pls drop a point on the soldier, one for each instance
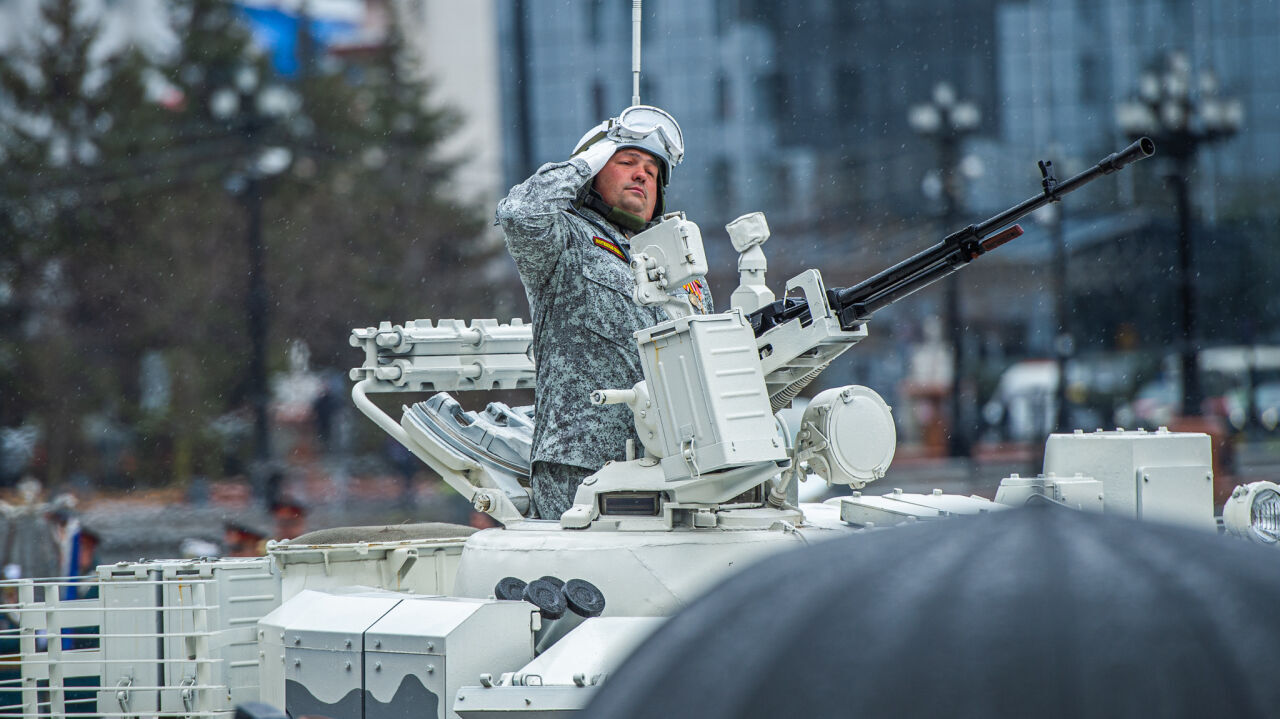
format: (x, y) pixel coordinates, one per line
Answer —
(290, 518)
(568, 227)
(242, 540)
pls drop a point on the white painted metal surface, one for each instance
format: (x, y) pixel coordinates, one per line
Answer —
(1159, 476)
(416, 566)
(748, 233)
(323, 643)
(443, 644)
(174, 637)
(562, 679)
(847, 436)
(900, 507)
(705, 384)
(641, 573)
(664, 258)
(1083, 493)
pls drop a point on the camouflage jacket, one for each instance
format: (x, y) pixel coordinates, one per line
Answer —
(575, 268)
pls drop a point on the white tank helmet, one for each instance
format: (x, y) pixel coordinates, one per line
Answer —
(647, 128)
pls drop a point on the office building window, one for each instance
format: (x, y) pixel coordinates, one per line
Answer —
(781, 192)
(773, 91)
(848, 88)
(595, 24)
(1092, 78)
(648, 91)
(597, 99)
(726, 12)
(724, 105)
(722, 186)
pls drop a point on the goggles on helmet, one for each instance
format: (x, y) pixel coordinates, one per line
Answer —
(645, 127)
(642, 121)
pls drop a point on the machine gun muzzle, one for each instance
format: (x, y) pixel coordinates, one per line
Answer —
(1141, 149)
(853, 305)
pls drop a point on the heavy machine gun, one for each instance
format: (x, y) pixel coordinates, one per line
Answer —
(854, 305)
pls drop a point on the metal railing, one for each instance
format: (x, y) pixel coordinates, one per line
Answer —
(168, 638)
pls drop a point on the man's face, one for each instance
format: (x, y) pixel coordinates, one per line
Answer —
(629, 181)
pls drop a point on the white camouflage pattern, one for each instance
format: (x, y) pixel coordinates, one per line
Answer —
(583, 317)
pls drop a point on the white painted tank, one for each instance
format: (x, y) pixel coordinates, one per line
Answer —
(641, 573)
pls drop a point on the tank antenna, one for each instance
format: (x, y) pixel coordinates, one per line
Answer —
(635, 52)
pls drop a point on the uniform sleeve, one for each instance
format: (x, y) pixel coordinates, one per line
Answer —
(532, 219)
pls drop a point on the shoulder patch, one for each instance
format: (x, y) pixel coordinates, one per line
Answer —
(609, 246)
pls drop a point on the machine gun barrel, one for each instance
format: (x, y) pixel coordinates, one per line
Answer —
(1053, 191)
(853, 305)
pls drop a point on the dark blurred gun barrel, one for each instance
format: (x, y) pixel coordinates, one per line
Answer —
(1139, 150)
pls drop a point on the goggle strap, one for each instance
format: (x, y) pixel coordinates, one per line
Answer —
(593, 140)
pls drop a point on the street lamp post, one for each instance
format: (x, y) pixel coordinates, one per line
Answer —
(947, 121)
(1063, 339)
(255, 110)
(1180, 112)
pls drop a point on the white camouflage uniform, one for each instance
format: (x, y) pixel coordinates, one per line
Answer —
(575, 268)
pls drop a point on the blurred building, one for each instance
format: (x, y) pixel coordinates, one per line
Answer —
(457, 44)
(851, 71)
(797, 109)
(1065, 65)
(567, 66)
